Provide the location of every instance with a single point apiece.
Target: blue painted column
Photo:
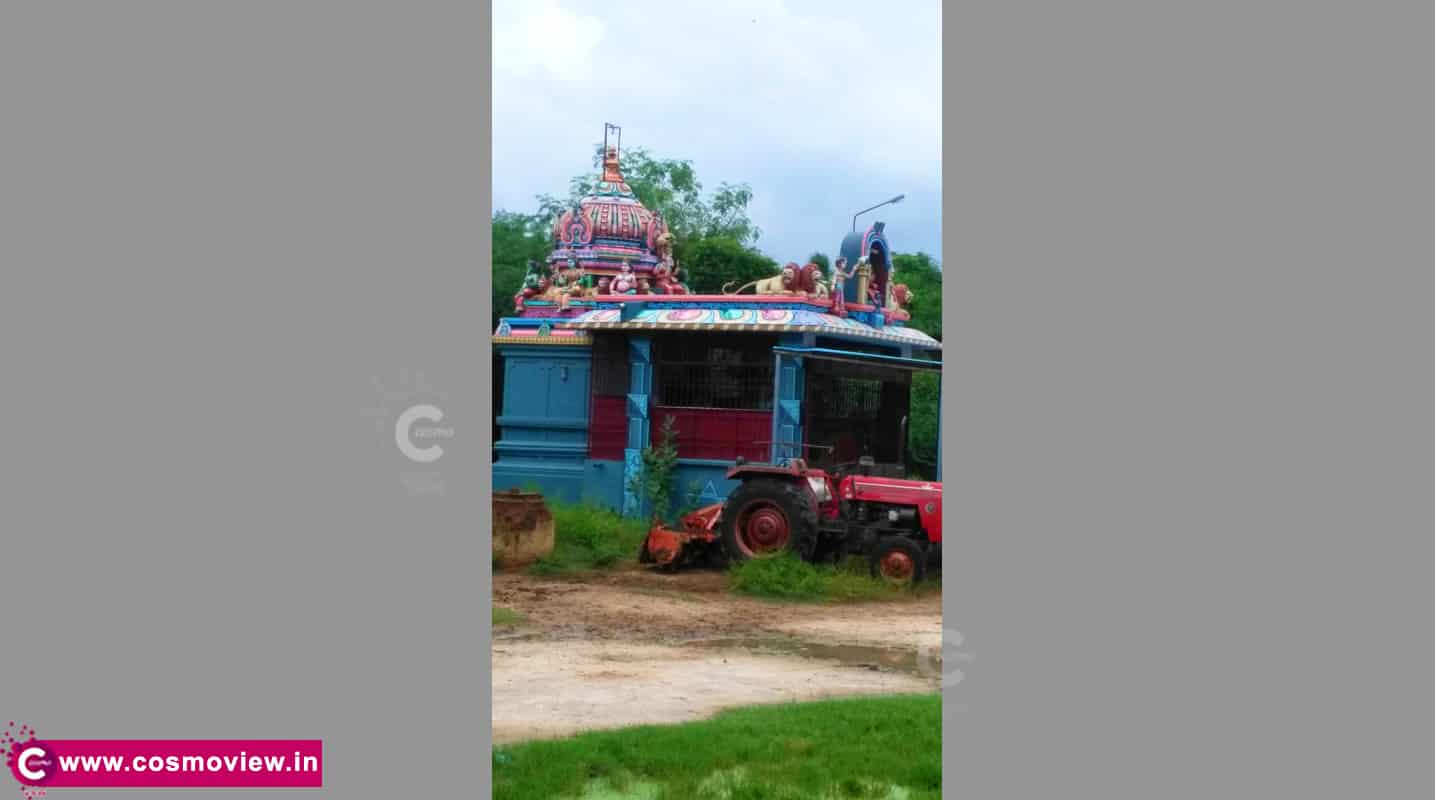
(640, 388)
(789, 383)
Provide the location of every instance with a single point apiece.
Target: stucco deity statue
(664, 244)
(625, 282)
(840, 275)
(567, 283)
(535, 283)
(666, 282)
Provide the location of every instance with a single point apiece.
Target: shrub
(784, 577)
(653, 484)
(588, 536)
(788, 577)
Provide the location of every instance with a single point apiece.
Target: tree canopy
(924, 279)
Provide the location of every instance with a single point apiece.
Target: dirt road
(635, 647)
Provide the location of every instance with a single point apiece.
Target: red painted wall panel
(608, 428)
(716, 433)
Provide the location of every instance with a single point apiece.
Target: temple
(606, 342)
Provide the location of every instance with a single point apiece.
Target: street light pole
(896, 199)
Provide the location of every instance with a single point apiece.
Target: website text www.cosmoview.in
(168, 763)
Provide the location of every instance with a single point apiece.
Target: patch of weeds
(609, 789)
(782, 577)
(587, 536)
(506, 616)
(866, 789)
(723, 784)
(788, 577)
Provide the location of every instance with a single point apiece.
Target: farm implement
(818, 514)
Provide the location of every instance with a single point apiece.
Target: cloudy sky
(824, 108)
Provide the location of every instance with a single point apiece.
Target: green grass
(506, 616)
(787, 577)
(879, 748)
(588, 537)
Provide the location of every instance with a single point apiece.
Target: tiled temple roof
(753, 320)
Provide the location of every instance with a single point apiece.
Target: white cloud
(544, 36)
(817, 105)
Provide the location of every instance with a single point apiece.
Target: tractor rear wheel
(765, 517)
(899, 561)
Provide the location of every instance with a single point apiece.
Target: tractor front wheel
(899, 561)
(766, 517)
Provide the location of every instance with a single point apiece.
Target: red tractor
(817, 514)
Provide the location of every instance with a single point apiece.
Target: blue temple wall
(543, 425)
(603, 483)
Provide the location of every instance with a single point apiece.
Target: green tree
(923, 276)
(922, 424)
(820, 259)
(516, 239)
(714, 261)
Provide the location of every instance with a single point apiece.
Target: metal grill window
(841, 397)
(715, 372)
(610, 365)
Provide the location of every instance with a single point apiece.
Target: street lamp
(896, 199)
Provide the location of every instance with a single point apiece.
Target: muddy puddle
(885, 659)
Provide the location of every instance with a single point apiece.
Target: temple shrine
(606, 341)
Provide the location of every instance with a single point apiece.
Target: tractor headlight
(819, 488)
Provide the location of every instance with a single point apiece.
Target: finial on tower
(611, 173)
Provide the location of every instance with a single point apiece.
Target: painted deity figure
(567, 282)
(664, 243)
(665, 281)
(535, 283)
(625, 282)
(840, 275)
